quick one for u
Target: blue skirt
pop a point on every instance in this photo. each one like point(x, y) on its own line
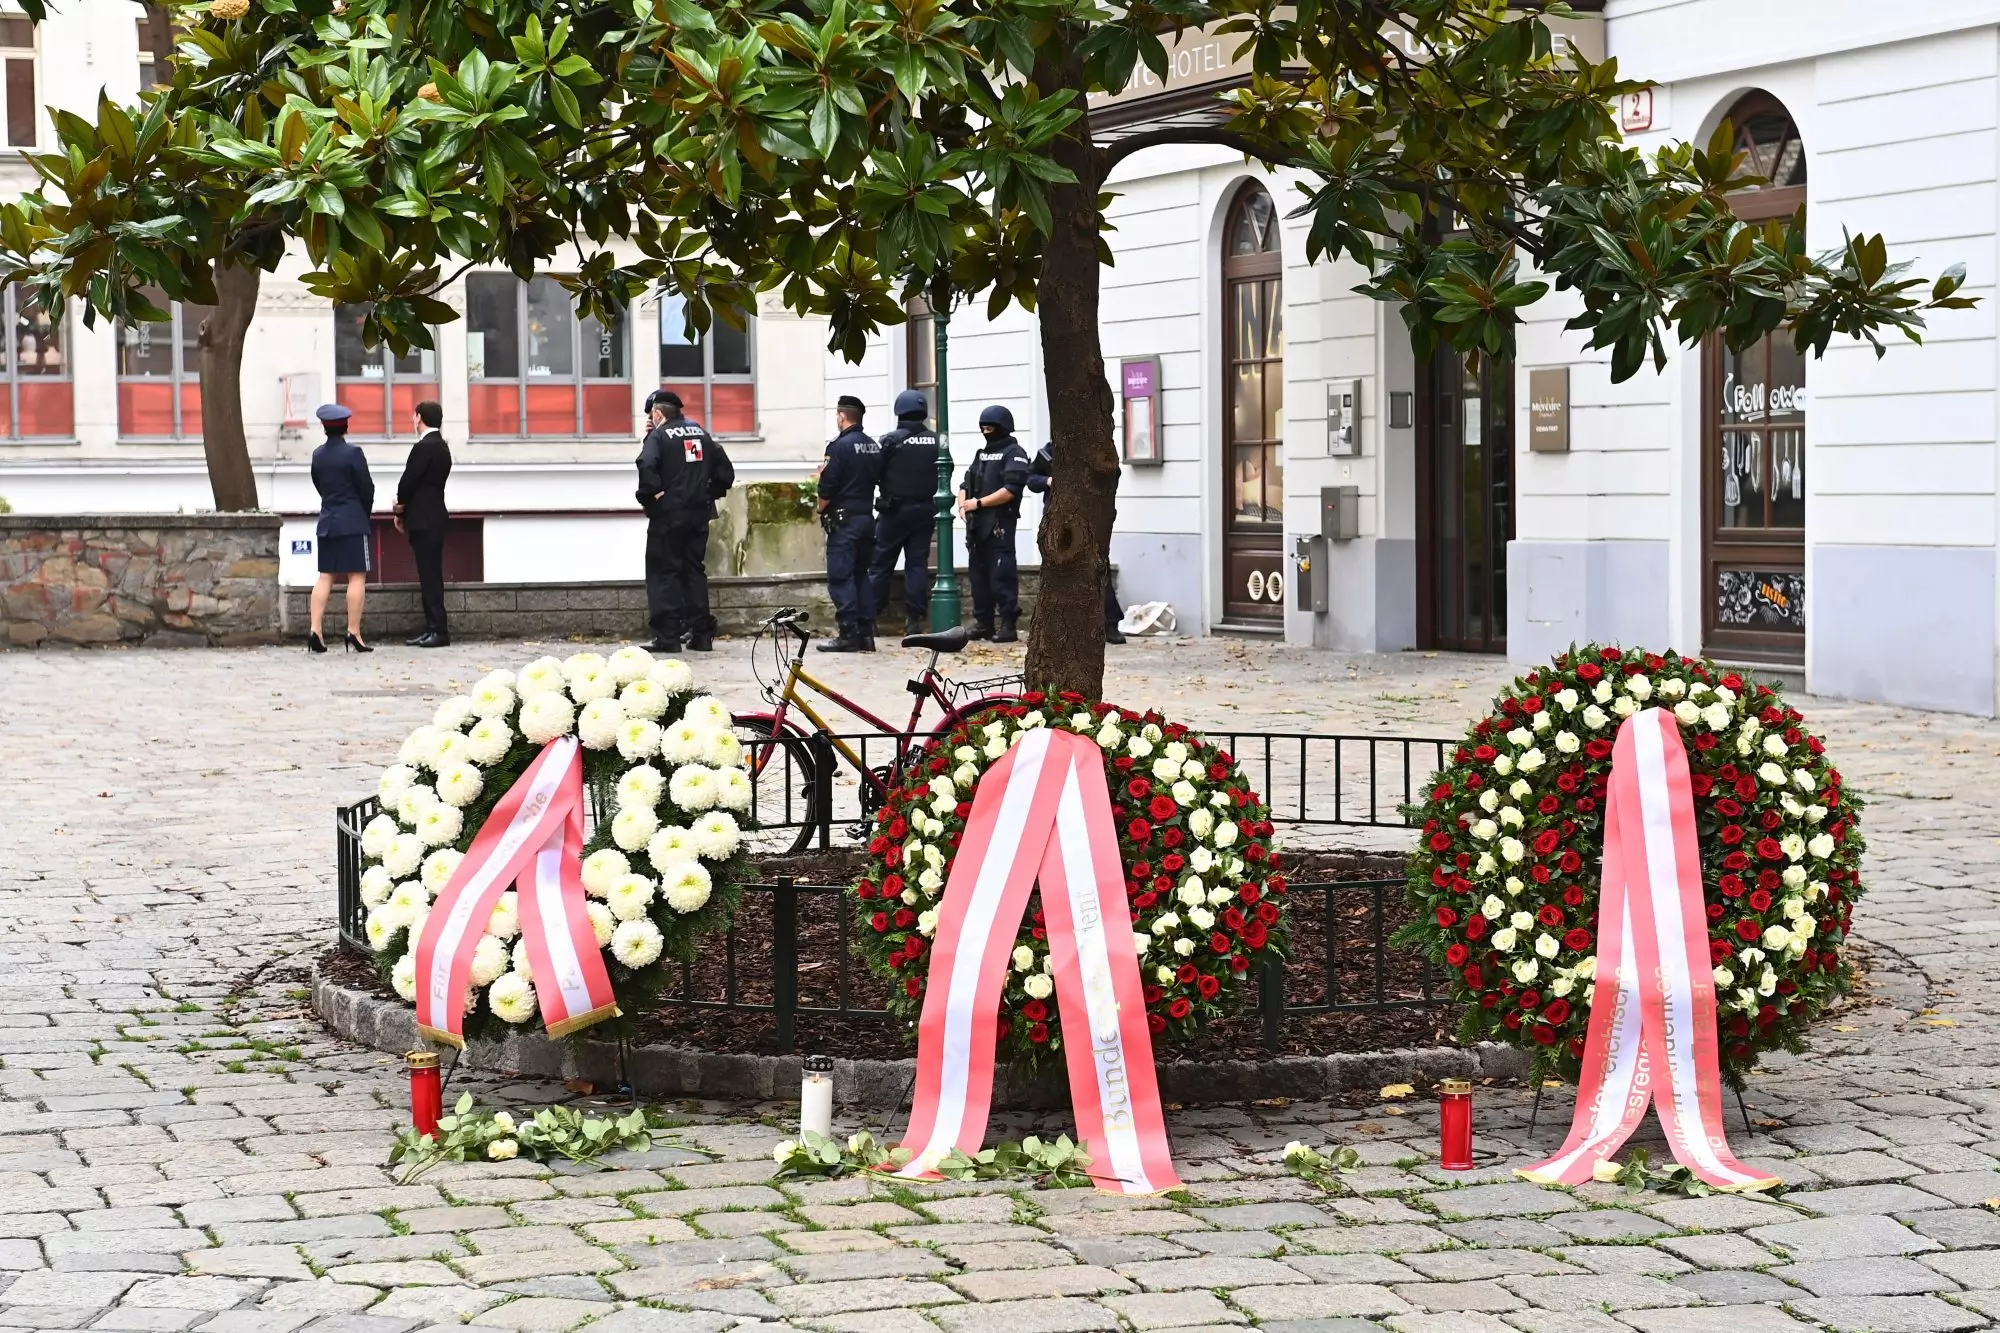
point(344, 555)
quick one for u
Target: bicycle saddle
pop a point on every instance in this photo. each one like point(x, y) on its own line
point(950, 641)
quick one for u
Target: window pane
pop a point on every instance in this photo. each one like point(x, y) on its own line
point(922, 350)
point(37, 337)
point(1742, 479)
point(21, 102)
point(603, 349)
point(351, 359)
point(492, 326)
point(17, 32)
point(732, 348)
point(146, 349)
point(551, 331)
point(1788, 478)
point(680, 350)
point(421, 363)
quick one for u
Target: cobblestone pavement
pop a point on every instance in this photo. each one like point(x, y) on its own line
point(181, 1147)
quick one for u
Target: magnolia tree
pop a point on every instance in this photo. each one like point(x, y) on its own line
point(849, 152)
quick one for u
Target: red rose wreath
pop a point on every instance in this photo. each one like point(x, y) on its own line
point(1203, 883)
point(1506, 871)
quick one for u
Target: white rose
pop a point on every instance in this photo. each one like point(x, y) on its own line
point(1139, 747)
point(630, 897)
point(1793, 845)
point(1520, 738)
point(1595, 717)
point(1562, 986)
point(1038, 986)
point(506, 919)
point(965, 777)
point(1567, 743)
point(1489, 800)
point(1513, 885)
point(1543, 721)
point(403, 976)
point(1492, 908)
point(1503, 765)
point(1201, 823)
point(1184, 947)
point(602, 869)
point(405, 851)
point(1225, 833)
point(1624, 706)
point(1521, 789)
point(1793, 908)
point(1774, 745)
point(1024, 958)
point(1602, 691)
point(512, 999)
point(1108, 736)
point(459, 784)
point(1547, 946)
point(1772, 774)
point(1717, 716)
point(395, 780)
point(546, 716)
point(1767, 983)
point(1511, 818)
point(1512, 850)
point(1815, 813)
point(1794, 877)
point(376, 882)
point(1724, 978)
point(1522, 921)
point(488, 741)
point(636, 944)
point(1164, 975)
point(1526, 970)
point(687, 886)
point(693, 788)
point(1202, 918)
point(1803, 780)
point(1566, 699)
point(927, 921)
point(1821, 846)
point(1165, 769)
point(1166, 924)
point(1191, 894)
point(1485, 828)
point(438, 868)
point(634, 826)
point(1724, 693)
point(1688, 712)
point(1504, 939)
point(1485, 865)
point(996, 747)
point(1183, 793)
point(1081, 721)
point(1194, 770)
point(1201, 860)
point(489, 960)
point(1641, 688)
point(1672, 688)
point(930, 881)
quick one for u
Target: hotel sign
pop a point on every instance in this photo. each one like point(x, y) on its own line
point(1548, 410)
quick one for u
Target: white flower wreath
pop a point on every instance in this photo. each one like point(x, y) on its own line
point(666, 795)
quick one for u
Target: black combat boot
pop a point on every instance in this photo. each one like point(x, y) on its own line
point(867, 636)
point(1112, 634)
point(981, 629)
point(1007, 632)
point(847, 639)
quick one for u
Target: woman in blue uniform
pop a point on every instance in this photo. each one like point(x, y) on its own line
point(346, 498)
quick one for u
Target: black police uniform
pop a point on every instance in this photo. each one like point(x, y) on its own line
point(687, 472)
point(1000, 464)
point(1041, 474)
point(847, 485)
point(906, 510)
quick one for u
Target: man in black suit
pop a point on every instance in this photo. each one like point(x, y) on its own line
point(421, 516)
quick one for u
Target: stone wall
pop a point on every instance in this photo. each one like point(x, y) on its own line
point(595, 611)
point(161, 579)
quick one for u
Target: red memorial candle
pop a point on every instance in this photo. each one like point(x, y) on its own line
point(1455, 1124)
point(426, 1091)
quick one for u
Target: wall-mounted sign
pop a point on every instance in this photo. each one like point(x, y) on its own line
point(1635, 111)
point(1548, 410)
point(1139, 391)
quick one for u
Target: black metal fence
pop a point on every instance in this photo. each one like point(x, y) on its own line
point(788, 954)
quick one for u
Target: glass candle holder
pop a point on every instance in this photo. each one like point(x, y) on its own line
point(1455, 1124)
point(426, 1091)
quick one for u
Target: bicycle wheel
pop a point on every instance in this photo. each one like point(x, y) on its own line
point(784, 796)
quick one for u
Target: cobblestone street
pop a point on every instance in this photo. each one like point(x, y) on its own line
point(183, 1147)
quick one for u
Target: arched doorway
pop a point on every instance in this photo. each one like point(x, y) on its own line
point(1253, 423)
point(1754, 438)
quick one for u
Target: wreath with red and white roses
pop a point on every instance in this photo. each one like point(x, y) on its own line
point(1506, 871)
point(1202, 877)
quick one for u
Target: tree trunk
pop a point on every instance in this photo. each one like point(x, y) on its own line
point(229, 473)
point(1066, 635)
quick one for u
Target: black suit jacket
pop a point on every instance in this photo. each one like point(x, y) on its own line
point(421, 491)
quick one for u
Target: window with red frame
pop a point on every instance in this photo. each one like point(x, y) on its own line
point(159, 372)
point(40, 404)
point(713, 372)
point(536, 369)
point(381, 389)
point(17, 72)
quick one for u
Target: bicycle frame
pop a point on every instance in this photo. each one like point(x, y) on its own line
point(790, 696)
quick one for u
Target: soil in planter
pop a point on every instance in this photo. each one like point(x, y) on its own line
point(1344, 907)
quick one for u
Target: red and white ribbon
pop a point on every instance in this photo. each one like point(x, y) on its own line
point(532, 838)
point(1652, 1034)
point(1044, 812)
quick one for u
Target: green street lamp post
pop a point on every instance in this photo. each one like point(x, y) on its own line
point(945, 609)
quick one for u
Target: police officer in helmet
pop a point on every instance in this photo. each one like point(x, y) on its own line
point(990, 500)
point(847, 477)
point(1041, 474)
point(905, 517)
point(682, 473)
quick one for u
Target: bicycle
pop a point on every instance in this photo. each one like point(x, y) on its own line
point(789, 764)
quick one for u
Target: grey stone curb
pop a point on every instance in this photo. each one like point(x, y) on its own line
point(678, 1071)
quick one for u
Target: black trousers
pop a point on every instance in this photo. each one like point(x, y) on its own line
point(850, 550)
point(428, 548)
point(996, 582)
point(677, 578)
point(904, 529)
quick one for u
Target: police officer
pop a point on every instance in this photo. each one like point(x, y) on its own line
point(990, 500)
point(847, 477)
point(1040, 474)
point(905, 512)
point(682, 473)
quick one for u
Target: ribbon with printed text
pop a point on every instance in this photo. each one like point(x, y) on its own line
point(1041, 814)
point(532, 840)
point(1652, 1033)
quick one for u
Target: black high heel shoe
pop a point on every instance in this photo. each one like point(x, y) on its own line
point(355, 645)
point(314, 643)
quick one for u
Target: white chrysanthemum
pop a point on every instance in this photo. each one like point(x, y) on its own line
point(636, 943)
point(441, 825)
point(381, 924)
point(402, 855)
point(591, 686)
point(417, 919)
point(459, 784)
point(633, 826)
point(506, 919)
point(395, 780)
point(721, 749)
point(500, 676)
point(671, 846)
point(438, 868)
point(489, 960)
point(404, 902)
point(602, 923)
point(512, 998)
point(488, 741)
point(686, 886)
point(578, 665)
point(708, 711)
point(716, 835)
point(376, 882)
point(628, 664)
point(643, 785)
point(672, 675)
point(447, 748)
point(630, 897)
point(403, 976)
point(733, 789)
point(644, 698)
point(417, 745)
point(637, 738)
point(519, 957)
point(415, 799)
point(453, 713)
point(492, 698)
point(597, 726)
point(546, 716)
point(602, 869)
point(683, 742)
point(693, 788)
point(541, 676)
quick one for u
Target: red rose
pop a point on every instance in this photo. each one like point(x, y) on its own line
point(1760, 901)
point(1441, 792)
point(1123, 763)
point(1248, 893)
point(1254, 934)
point(1548, 805)
point(1732, 681)
point(1731, 834)
point(1549, 915)
point(1163, 884)
point(1746, 787)
point(1034, 1011)
point(1719, 952)
point(1181, 1007)
point(1238, 963)
point(1736, 861)
point(1544, 1034)
point(1267, 912)
point(1598, 749)
point(1573, 896)
point(1456, 955)
point(1172, 837)
point(892, 886)
point(1746, 930)
point(1208, 986)
point(913, 986)
point(1474, 978)
point(1138, 831)
point(880, 921)
point(899, 829)
point(905, 918)
point(1556, 1013)
point(1172, 862)
point(1145, 900)
point(1218, 942)
point(1772, 819)
point(913, 947)
point(1769, 849)
point(1475, 927)
point(1161, 808)
point(1564, 782)
point(1590, 671)
point(1702, 784)
point(1233, 919)
point(1539, 874)
point(1715, 911)
point(893, 857)
point(1218, 772)
point(1184, 973)
point(1036, 696)
point(1484, 753)
point(1546, 840)
point(1156, 1023)
point(1529, 999)
point(1570, 862)
point(1038, 1032)
point(1140, 788)
point(1447, 917)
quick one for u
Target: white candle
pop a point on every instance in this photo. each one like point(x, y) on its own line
point(816, 1097)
